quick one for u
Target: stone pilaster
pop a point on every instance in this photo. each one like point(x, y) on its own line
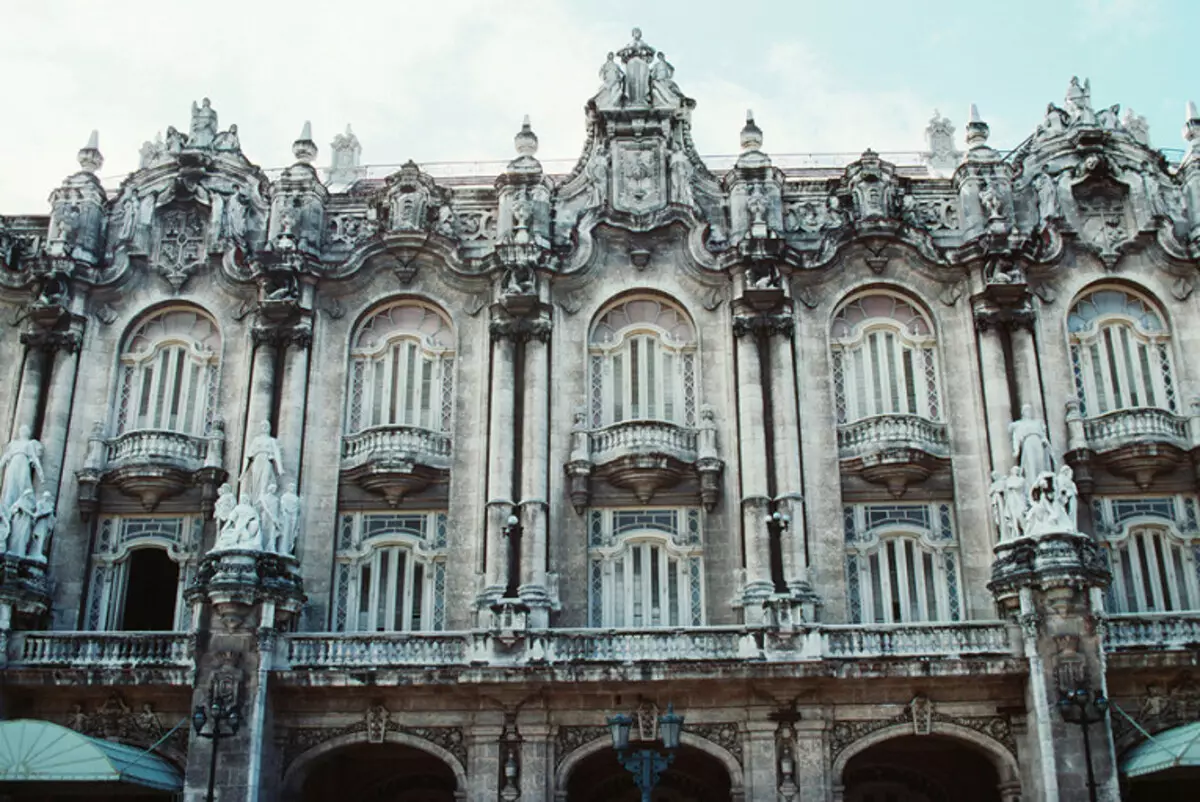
point(295, 402)
point(755, 497)
point(535, 477)
point(262, 382)
point(785, 444)
point(500, 464)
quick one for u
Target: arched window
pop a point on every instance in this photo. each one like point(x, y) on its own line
point(643, 364)
point(1154, 570)
point(169, 372)
point(884, 359)
point(402, 361)
point(1120, 353)
point(646, 568)
point(391, 572)
point(901, 563)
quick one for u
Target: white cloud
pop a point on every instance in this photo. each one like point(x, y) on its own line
point(429, 81)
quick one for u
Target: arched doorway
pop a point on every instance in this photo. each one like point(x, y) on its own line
point(694, 776)
point(388, 772)
point(925, 768)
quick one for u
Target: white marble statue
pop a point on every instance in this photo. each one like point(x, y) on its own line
point(1015, 501)
point(289, 519)
point(664, 92)
point(637, 70)
point(43, 525)
point(21, 518)
point(1031, 446)
point(262, 466)
point(612, 84)
point(204, 125)
point(21, 467)
point(223, 515)
point(1066, 496)
point(5, 530)
point(1047, 196)
point(268, 518)
point(996, 500)
point(581, 448)
point(244, 528)
point(681, 178)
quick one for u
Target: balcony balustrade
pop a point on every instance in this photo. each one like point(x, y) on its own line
point(101, 649)
point(153, 464)
point(894, 450)
point(396, 461)
point(1153, 631)
point(645, 457)
point(1138, 443)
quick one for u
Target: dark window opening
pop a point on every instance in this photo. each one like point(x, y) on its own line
point(151, 586)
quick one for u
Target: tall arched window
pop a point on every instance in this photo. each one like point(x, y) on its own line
point(1154, 570)
point(402, 361)
point(884, 359)
point(1120, 353)
point(643, 364)
point(169, 372)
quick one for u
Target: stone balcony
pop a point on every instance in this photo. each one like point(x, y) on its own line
point(395, 461)
point(644, 457)
point(600, 647)
point(893, 450)
point(152, 464)
point(104, 657)
point(1139, 443)
point(1160, 632)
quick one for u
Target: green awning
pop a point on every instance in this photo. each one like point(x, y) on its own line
point(39, 751)
point(1179, 746)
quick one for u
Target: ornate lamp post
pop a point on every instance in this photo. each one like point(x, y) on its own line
point(640, 759)
point(777, 523)
point(1082, 708)
point(225, 719)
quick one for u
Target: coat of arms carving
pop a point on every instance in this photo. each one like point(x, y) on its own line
point(180, 245)
point(640, 177)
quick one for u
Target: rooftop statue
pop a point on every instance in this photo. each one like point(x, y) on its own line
point(204, 125)
point(612, 85)
point(637, 55)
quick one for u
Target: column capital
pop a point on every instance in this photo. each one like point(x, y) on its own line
point(297, 334)
point(52, 341)
point(991, 316)
point(505, 326)
point(764, 324)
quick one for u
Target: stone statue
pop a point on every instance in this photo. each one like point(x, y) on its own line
point(1055, 122)
point(21, 465)
point(1109, 118)
point(1015, 501)
point(268, 518)
point(176, 141)
point(262, 466)
point(681, 178)
point(129, 216)
point(996, 502)
point(993, 203)
point(243, 527)
point(289, 519)
point(1137, 127)
point(5, 530)
point(707, 441)
point(1031, 446)
point(598, 172)
point(521, 280)
point(835, 215)
point(227, 140)
point(612, 85)
point(237, 214)
point(204, 125)
point(43, 524)
point(223, 507)
point(1067, 496)
point(21, 517)
point(1079, 102)
point(581, 450)
point(664, 92)
point(637, 70)
point(1047, 196)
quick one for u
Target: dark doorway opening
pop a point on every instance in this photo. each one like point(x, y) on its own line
point(921, 768)
point(151, 587)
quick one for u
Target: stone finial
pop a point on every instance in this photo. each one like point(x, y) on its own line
point(752, 135)
point(1191, 127)
point(304, 148)
point(90, 159)
point(526, 141)
point(977, 130)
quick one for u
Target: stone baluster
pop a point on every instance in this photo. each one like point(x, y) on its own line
point(535, 455)
point(500, 465)
point(789, 480)
point(752, 451)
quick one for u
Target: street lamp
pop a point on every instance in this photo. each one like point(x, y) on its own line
point(645, 763)
point(1080, 707)
point(225, 719)
point(777, 523)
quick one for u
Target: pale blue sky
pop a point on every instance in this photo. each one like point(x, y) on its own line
point(450, 80)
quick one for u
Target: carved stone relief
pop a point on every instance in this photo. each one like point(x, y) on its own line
point(181, 244)
point(639, 177)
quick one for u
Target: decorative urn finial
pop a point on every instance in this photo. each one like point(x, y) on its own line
point(752, 135)
point(526, 140)
point(304, 148)
point(977, 130)
point(90, 159)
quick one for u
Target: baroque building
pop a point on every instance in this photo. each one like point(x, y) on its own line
point(881, 473)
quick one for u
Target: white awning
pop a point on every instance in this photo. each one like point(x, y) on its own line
point(39, 751)
point(1175, 747)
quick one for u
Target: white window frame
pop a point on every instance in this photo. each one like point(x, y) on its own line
point(1153, 569)
point(870, 376)
point(885, 573)
point(1118, 363)
point(110, 566)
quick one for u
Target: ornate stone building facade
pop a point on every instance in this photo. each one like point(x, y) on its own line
point(861, 467)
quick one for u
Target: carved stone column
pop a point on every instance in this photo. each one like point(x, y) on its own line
point(483, 752)
point(29, 394)
point(1025, 367)
point(295, 401)
point(57, 418)
point(501, 450)
point(535, 458)
point(993, 369)
point(752, 450)
point(789, 481)
point(262, 381)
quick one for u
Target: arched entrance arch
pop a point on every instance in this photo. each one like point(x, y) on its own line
point(898, 755)
point(698, 747)
point(347, 750)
